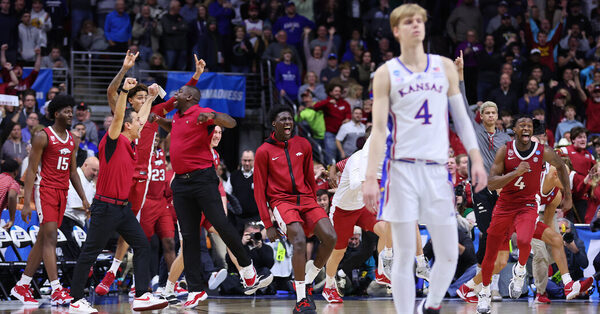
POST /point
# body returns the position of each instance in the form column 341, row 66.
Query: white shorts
column 417, row 192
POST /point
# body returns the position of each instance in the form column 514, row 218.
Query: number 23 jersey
column 418, row 118
column 54, row 170
column 156, row 187
column 522, row 190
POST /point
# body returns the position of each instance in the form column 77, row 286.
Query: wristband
column 121, row 90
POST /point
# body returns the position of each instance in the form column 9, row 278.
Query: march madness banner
column 222, row 93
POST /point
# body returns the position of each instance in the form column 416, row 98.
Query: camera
column 459, row 190
column 257, row 236
column 568, row 237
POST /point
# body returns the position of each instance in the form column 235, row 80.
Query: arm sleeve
column 462, row 122
column 260, row 187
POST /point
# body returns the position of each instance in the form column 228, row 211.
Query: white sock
column 248, row 271
column 169, row 287
column 421, row 261
column 25, row 280
column 478, row 288
column 300, row 290
column 494, row 284
column 379, row 263
column 388, row 252
column 566, row 278
column 114, row 267
column 329, row 282
column 470, row 284
column 55, row 284
column 520, row 269
column 485, row 290
column 312, row 272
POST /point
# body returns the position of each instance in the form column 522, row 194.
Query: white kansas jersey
column 418, row 119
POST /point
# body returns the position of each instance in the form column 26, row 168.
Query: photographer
column 261, row 255
column 465, row 215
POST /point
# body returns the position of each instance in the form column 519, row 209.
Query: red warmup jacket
column 335, row 113
column 283, row 172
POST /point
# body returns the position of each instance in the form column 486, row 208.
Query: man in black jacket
column 242, row 187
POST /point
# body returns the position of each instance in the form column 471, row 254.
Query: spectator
column 81, row 11
column 242, row 55
column 189, row 11
column 311, row 119
column 198, row 34
column 323, row 40
column 40, row 19
column 567, row 124
column 323, row 200
column 505, row 96
column 54, row 59
column 13, row 79
column 10, row 31
column 314, row 88
column 332, row 70
column 544, row 46
column 82, row 115
column 254, row 25
column 470, row 50
column 117, row 28
column 103, row 9
column 262, row 257
column 242, row 187
column 90, row 148
column 9, row 190
column 27, row 132
column 30, row 38
column 546, row 136
column 362, row 71
column 577, row 16
column 273, row 11
column 571, row 57
column 592, row 105
column 463, row 18
column 273, row 52
column 29, row 106
column 574, row 249
column 315, row 58
column 354, row 96
column 75, row 215
column 105, row 125
column 583, row 45
column 321, row 178
column 293, row 24
column 530, row 101
column 495, row 22
column 157, row 65
column 223, row 12
column 139, row 65
column 174, row 37
column 344, row 80
column 146, row 31
column 92, row 37
column 377, row 21
column 287, row 76
column 14, row 147
column 349, row 132
column 336, row 112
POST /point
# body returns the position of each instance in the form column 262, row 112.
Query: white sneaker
column 515, row 287
column 148, row 302
column 484, row 301
column 216, row 278
column 261, row 283
column 81, row 306
column 194, row 298
column 422, row 272
column 387, row 265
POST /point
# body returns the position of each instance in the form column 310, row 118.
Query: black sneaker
column 310, row 297
column 303, row 306
column 171, row 298
column 421, row 309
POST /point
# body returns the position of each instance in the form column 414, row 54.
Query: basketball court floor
column 264, row 305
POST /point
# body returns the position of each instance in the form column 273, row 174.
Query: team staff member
column 196, row 190
column 284, row 178
column 110, row 210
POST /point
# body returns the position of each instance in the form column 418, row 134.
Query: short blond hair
column 486, row 105
column 404, row 11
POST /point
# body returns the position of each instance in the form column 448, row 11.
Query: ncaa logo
column 537, row 152
column 396, row 72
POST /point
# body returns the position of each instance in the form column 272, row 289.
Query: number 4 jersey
column 522, row 190
column 53, row 171
column 418, row 119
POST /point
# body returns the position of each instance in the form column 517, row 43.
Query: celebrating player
column 51, row 164
column 415, row 91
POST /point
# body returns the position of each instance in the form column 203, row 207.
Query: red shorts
column 155, row 218
column 345, row 220
column 308, row 215
column 545, row 200
column 137, row 194
column 540, row 227
column 50, row 204
column 506, row 221
column 204, row 223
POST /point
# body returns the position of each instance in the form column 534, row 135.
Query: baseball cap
column 535, row 50
column 289, row 3
column 332, row 56
column 82, row 106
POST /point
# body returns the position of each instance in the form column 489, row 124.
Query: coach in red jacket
column 284, row 182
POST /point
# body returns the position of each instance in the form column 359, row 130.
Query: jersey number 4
column 63, row 163
column 423, row 113
column 519, row 183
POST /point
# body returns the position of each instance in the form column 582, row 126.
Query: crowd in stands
column 538, row 57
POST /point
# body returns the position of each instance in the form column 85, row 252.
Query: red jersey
column 592, row 115
column 117, row 161
column 7, row 183
column 522, row 190
column 190, row 141
column 24, row 83
column 581, row 160
column 157, row 184
column 283, row 172
column 54, row 171
column 335, row 113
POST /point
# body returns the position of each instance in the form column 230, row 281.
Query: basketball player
column 51, row 165
column 284, row 179
column 415, row 91
column 517, row 171
column 110, row 209
column 348, row 211
column 144, row 150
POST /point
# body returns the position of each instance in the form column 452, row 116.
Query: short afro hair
column 277, row 110
column 59, row 103
column 10, row 165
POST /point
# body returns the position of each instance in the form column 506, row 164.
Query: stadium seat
column 79, row 235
